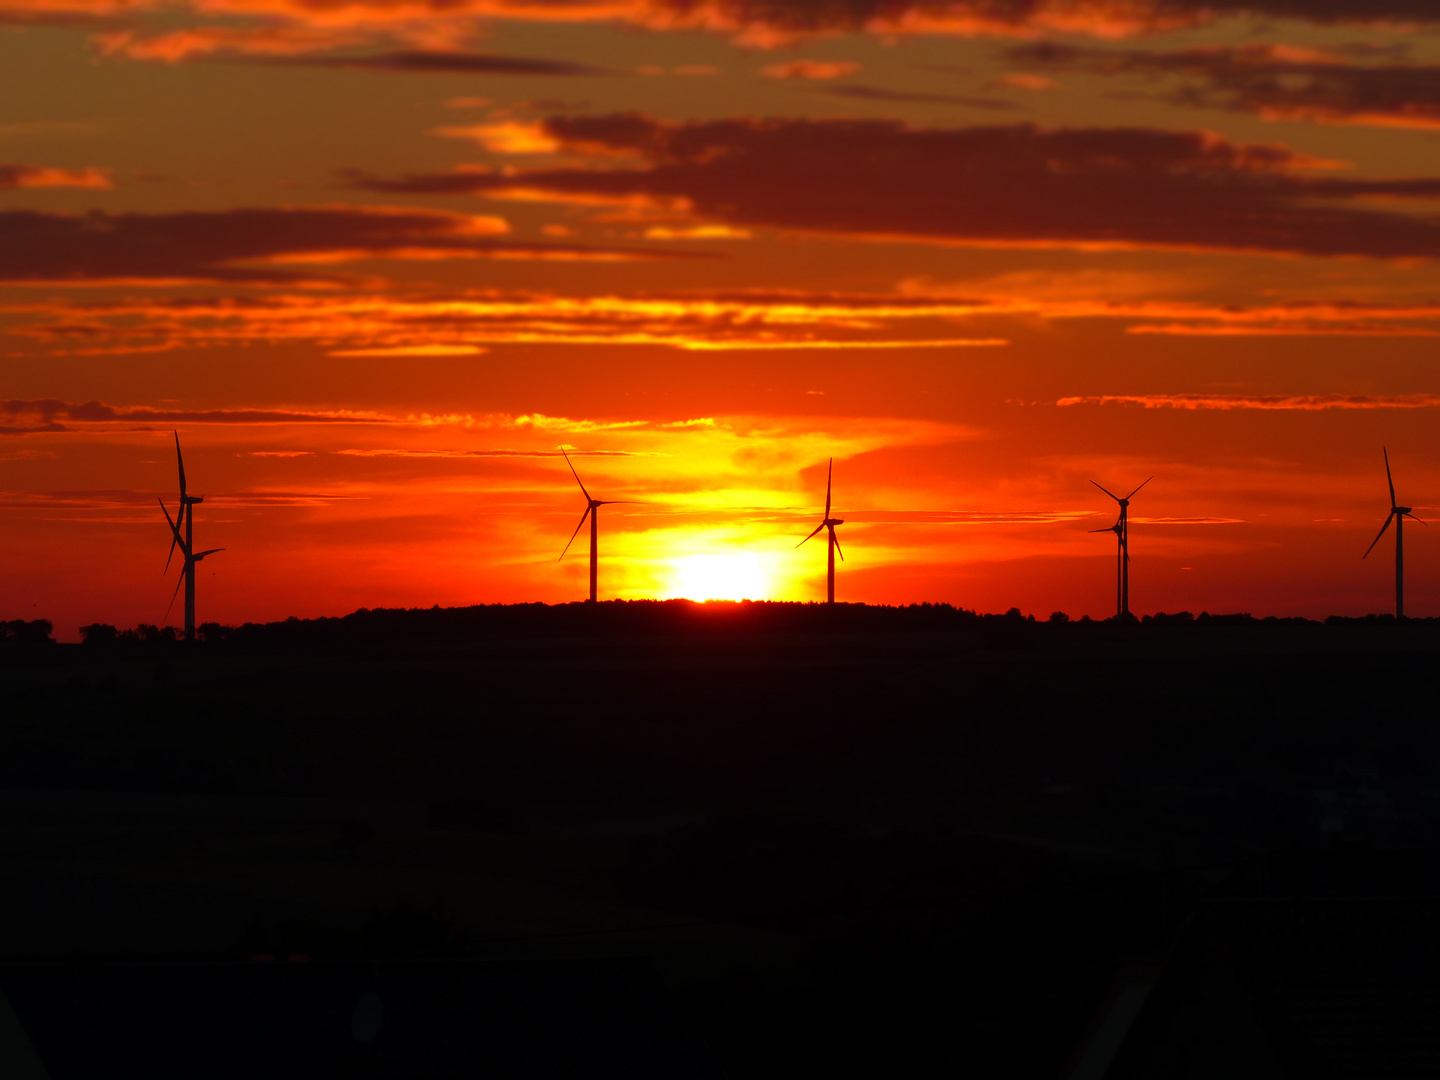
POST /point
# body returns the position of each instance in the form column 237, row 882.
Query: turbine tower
column 834, row 543
column 184, row 517
column 592, row 511
column 1121, row 529
column 1398, row 514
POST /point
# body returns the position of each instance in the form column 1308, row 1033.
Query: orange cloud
column 1022, row 81
column 505, row 137
column 202, row 41
column 397, row 325
column 28, row 416
column 1278, row 402
column 13, row 177
column 811, row 69
column 446, row 23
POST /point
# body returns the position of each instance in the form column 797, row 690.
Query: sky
column 379, row 261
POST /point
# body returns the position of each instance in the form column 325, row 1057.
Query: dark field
column 857, row 842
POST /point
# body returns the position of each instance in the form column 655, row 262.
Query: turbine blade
column 1133, row 493
column 1388, row 480
column 1110, row 493
column 1379, row 534
column 576, row 474
column 836, row 536
column 576, row 532
column 173, row 596
column 828, row 477
column 1110, row 529
column 181, row 461
column 204, row 553
column 174, row 532
column 1412, row 517
column 811, row 536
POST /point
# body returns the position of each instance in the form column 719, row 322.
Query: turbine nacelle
column 1396, row 513
column 1121, row 529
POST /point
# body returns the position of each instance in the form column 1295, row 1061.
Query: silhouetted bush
column 1058, row 617
column 1008, row 631
column 99, row 635
column 33, row 632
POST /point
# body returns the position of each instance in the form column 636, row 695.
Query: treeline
column 103, row 634
column 23, row 632
column 629, row 617
column 400, row 626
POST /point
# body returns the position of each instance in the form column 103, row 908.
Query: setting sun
column 720, row 577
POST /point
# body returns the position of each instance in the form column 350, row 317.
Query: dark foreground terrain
column 860, row 842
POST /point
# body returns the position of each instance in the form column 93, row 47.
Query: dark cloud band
column 1016, row 185
column 251, row 245
column 1267, row 80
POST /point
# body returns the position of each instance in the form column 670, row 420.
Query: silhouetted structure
column 834, row 542
column 588, row 1018
column 1398, row 514
column 1121, row 529
column 185, row 518
column 592, row 508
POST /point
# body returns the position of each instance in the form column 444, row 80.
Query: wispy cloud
column 1281, row 402
column 428, row 453
column 1275, row 82
column 18, row 177
column 275, row 245
column 453, row 23
column 25, row 416
column 390, row 325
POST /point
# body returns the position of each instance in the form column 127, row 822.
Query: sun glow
column 720, row 577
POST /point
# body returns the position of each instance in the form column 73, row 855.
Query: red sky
column 377, row 261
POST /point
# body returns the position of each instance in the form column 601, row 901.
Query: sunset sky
column 377, row 261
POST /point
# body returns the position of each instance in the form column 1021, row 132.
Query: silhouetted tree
column 35, row 631
column 99, row 634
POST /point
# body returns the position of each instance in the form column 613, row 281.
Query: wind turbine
column 1121, row 529
column 1398, row 514
column 592, row 511
column 185, row 517
column 834, row 544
